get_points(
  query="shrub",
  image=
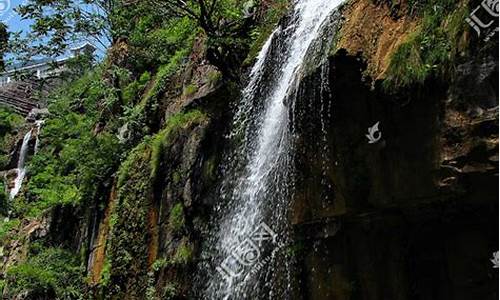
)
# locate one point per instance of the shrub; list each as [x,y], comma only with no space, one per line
[432,48]
[52,271]
[10,121]
[7,226]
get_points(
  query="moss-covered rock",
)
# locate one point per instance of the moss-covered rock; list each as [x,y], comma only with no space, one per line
[129,235]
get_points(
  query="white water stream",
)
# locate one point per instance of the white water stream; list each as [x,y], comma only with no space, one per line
[252,220]
[23,153]
[21,170]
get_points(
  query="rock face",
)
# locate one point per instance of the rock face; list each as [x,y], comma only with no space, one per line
[159,204]
[412,216]
[396,192]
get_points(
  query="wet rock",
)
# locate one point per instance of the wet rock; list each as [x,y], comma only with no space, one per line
[430,186]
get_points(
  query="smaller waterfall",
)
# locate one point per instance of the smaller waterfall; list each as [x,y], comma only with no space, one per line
[38,124]
[21,170]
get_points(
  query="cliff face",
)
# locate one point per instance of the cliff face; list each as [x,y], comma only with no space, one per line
[414,215]
[409,212]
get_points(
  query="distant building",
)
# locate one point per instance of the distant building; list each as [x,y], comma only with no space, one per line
[42,68]
[21,88]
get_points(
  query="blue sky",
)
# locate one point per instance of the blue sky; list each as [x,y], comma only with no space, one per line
[10,17]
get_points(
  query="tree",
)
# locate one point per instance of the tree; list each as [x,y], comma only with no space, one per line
[58,24]
[227,23]
[4,41]
[216,17]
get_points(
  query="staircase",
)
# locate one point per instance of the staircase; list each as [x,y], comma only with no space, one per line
[20,95]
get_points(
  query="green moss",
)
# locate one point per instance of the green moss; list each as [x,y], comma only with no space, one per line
[214,77]
[176,218]
[407,66]
[163,138]
[184,253]
[105,273]
[431,49]
[209,169]
[176,177]
[159,264]
[128,243]
[190,90]
[170,291]
[126,167]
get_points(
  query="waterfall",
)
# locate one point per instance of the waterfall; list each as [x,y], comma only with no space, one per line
[21,170]
[38,124]
[244,254]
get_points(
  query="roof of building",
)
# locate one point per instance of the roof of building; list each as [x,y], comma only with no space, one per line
[41,61]
[27,64]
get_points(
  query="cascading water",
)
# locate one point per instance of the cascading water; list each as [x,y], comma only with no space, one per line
[21,170]
[243,254]
[38,124]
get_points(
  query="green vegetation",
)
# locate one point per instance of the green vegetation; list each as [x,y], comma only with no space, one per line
[52,271]
[3,199]
[190,90]
[4,40]
[105,279]
[129,220]
[7,226]
[73,160]
[432,48]
[162,140]
[159,264]
[107,131]
[132,91]
[184,253]
[170,291]
[159,41]
[128,242]
[214,77]
[296,249]
[259,35]
[10,122]
[176,218]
